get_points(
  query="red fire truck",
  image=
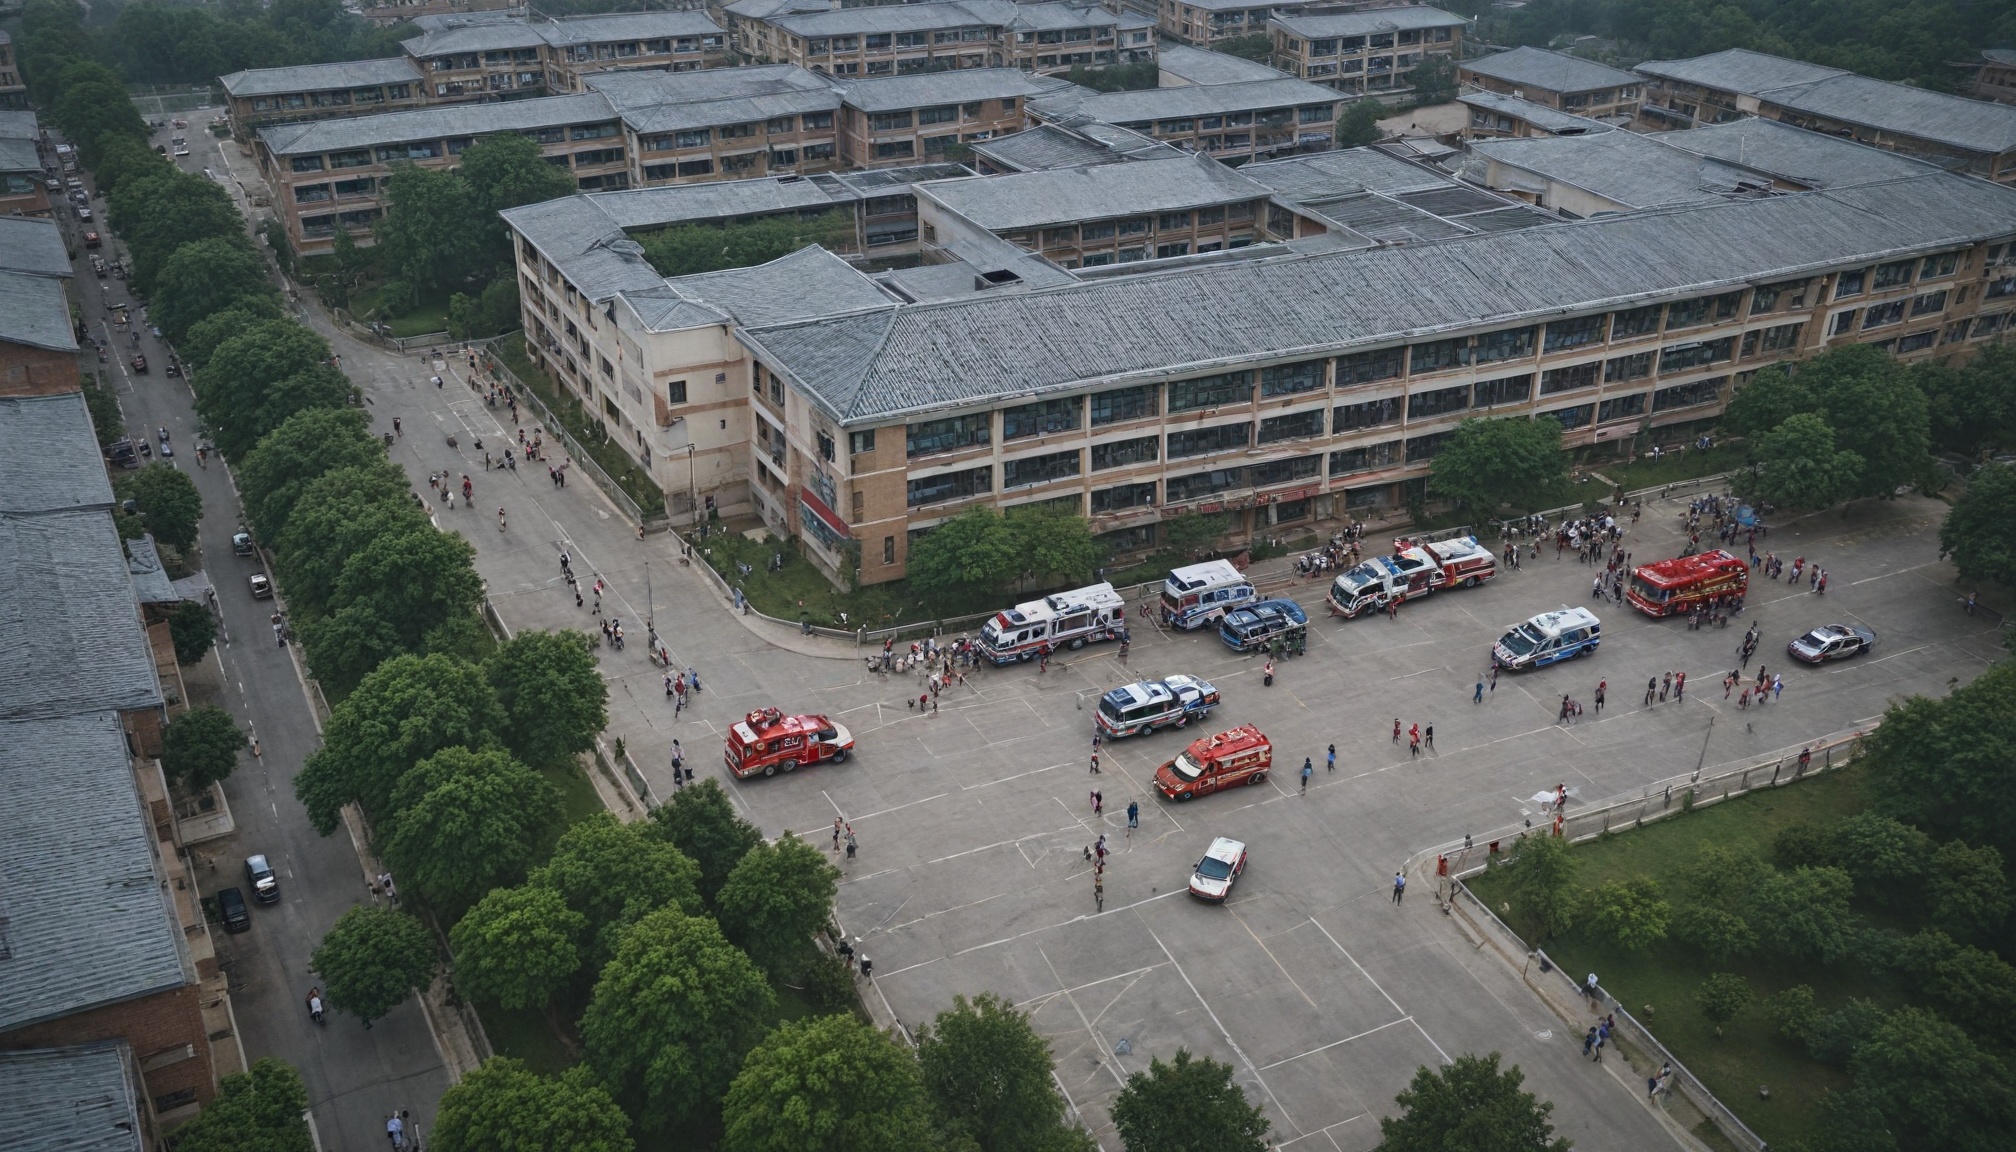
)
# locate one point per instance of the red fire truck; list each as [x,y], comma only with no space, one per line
[1239,755]
[1677,586]
[766,742]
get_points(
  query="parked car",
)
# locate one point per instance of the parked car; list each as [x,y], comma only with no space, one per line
[241,543]
[262,587]
[232,910]
[265,885]
[1832,642]
[139,363]
[1214,875]
[84,213]
[91,240]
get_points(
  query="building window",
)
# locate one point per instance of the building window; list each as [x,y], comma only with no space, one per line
[1289,379]
[1365,458]
[1203,441]
[1701,310]
[1366,367]
[860,442]
[1039,469]
[1440,401]
[1042,418]
[1636,322]
[307,163]
[1584,375]
[1989,325]
[1123,496]
[1367,414]
[1570,418]
[1490,347]
[1120,453]
[827,448]
[1294,426]
[1210,391]
[1766,297]
[894,149]
[675,392]
[1844,322]
[1679,357]
[1504,390]
[1172,221]
[358,159]
[1122,404]
[1424,448]
[1687,395]
[1620,407]
[1917,340]
[951,486]
[1286,471]
[1848,284]
[1894,274]
[1182,488]
[1928,302]
[888,121]
[1877,315]
[1944,264]
[1777,339]
[1566,334]
[888,549]
[948,435]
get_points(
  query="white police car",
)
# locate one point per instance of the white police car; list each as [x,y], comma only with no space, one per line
[1547,638]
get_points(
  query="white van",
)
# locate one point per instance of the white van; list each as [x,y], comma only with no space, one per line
[1199,595]
[1548,637]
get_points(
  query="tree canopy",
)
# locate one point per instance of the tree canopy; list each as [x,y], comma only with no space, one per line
[989,1074]
[614,874]
[552,693]
[775,899]
[373,959]
[208,276]
[263,1109]
[301,448]
[1930,1086]
[194,630]
[1489,462]
[982,550]
[465,822]
[1850,423]
[1190,1102]
[255,380]
[701,821]
[684,249]
[1470,1104]
[517,947]
[1359,125]
[831,1083]
[503,1105]
[1544,900]
[201,747]
[1943,765]
[169,504]
[1980,531]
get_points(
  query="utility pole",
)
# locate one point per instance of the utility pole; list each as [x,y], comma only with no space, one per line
[692,485]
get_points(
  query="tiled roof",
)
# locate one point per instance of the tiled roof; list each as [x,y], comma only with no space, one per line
[34,310]
[1974,125]
[18,124]
[89,920]
[1342,172]
[1738,70]
[1031,199]
[33,246]
[1365,23]
[626,26]
[1203,66]
[1038,17]
[1814,159]
[150,580]
[79,1099]
[59,468]
[487,37]
[893,363]
[1623,167]
[68,620]
[1539,115]
[808,282]
[448,120]
[661,101]
[894,93]
[319,77]
[1188,101]
[896,18]
[1549,71]
[1070,145]
[733,110]
[20,156]
[581,239]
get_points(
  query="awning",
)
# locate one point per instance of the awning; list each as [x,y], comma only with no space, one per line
[818,508]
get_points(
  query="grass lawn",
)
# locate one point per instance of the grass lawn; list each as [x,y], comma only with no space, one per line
[1749,1054]
[799,588]
[577,793]
[430,316]
[1671,468]
[524,1035]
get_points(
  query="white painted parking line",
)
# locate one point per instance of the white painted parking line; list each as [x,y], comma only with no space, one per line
[1381,991]
[1335,1043]
[1222,1031]
[1323,1132]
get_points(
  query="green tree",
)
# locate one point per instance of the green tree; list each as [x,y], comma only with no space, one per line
[345,645]
[1720,935]
[1971,984]
[94,113]
[373,959]
[1631,912]
[504,1105]
[973,552]
[207,334]
[1471,1105]
[1434,80]
[414,582]
[1943,765]
[831,1083]
[206,277]
[1794,1013]
[338,513]
[1544,898]
[1490,462]
[104,408]
[465,822]
[194,630]
[700,821]
[263,1109]
[1980,530]
[1886,857]
[258,378]
[989,1073]
[517,947]
[775,899]
[685,249]
[500,306]
[1934,1088]
[1359,125]
[552,693]
[433,229]
[158,213]
[505,171]
[1804,913]
[614,874]
[672,1017]
[1969,890]
[123,158]
[405,711]
[1053,544]
[169,504]
[1725,876]
[1721,996]
[201,747]
[1192,533]
[1972,408]
[1187,1103]
[1797,465]
[1836,1035]
[301,448]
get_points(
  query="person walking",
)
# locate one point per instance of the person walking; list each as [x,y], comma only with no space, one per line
[1428,737]
[1589,1041]
[1651,690]
[1399,887]
[852,844]
[1267,674]
[1331,759]
[1665,686]
[1307,771]
[836,833]
[1477,697]
[1679,686]
[1413,741]
[1777,687]
[1396,730]
[1601,687]
[1602,1038]
[1133,814]
[1095,762]
[1098,803]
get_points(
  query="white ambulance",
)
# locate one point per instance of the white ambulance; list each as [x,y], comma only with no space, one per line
[1199,595]
[1065,620]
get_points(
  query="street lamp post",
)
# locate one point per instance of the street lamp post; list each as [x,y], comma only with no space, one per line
[692,485]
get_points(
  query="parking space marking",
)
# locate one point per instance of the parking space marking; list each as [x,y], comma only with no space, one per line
[1299,991]
[1324,1132]
[1898,572]
[1335,1043]
[1850,667]
[1381,991]
[1208,1011]
[1098,1041]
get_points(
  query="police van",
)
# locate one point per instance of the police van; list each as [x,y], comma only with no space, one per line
[1142,707]
[1548,637]
[1065,620]
[1255,626]
[1200,594]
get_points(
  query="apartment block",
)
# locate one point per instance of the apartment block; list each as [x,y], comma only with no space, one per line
[1238,122]
[330,174]
[899,39]
[1106,214]
[260,96]
[1973,136]
[23,187]
[899,120]
[13,90]
[726,123]
[38,337]
[1369,51]
[489,55]
[1994,75]
[1557,80]
[1493,116]
[1205,22]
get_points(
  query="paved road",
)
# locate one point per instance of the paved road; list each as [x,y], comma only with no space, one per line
[355,1077]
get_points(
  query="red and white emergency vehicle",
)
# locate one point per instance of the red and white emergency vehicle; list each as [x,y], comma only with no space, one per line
[1067,620]
[1235,756]
[1412,572]
[766,742]
[1678,586]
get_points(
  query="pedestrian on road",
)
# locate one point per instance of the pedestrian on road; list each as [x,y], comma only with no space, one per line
[851,843]
[1777,687]
[1133,814]
[1331,761]
[1098,803]
[1589,989]
[1267,674]
[1477,697]
[1428,736]
[1665,686]
[1679,685]
[397,431]
[836,833]
[1589,1041]
[1414,741]
[1396,730]
[678,759]
[668,685]
[1601,687]
[1095,762]
[1399,887]
[1307,771]
[1602,1038]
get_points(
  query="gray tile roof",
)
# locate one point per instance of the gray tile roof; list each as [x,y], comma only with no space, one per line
[893,363]
[808,282]
[150,580]
[89,922]
[1040,17]
[1188,101]
[68,620]
[79,1099]
[1340,173]
[885,181]
[448,120]
[894,93]
[1737,70]
[54,453]
[588,247]
[1384,219]
[626,26]
[765,9]
[897,18]
[16,124]
[733,110]
[442,21]
[20,156]
[1203,66]
[1550,71]
[715,200]
[1323,24]
[485,37]
[652,102]
[1539,115]
[320,77]
[34,310]
[33,246]
[1974,125]
[1814,159]
[1072,145]
[1031,199]
[1624,167]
